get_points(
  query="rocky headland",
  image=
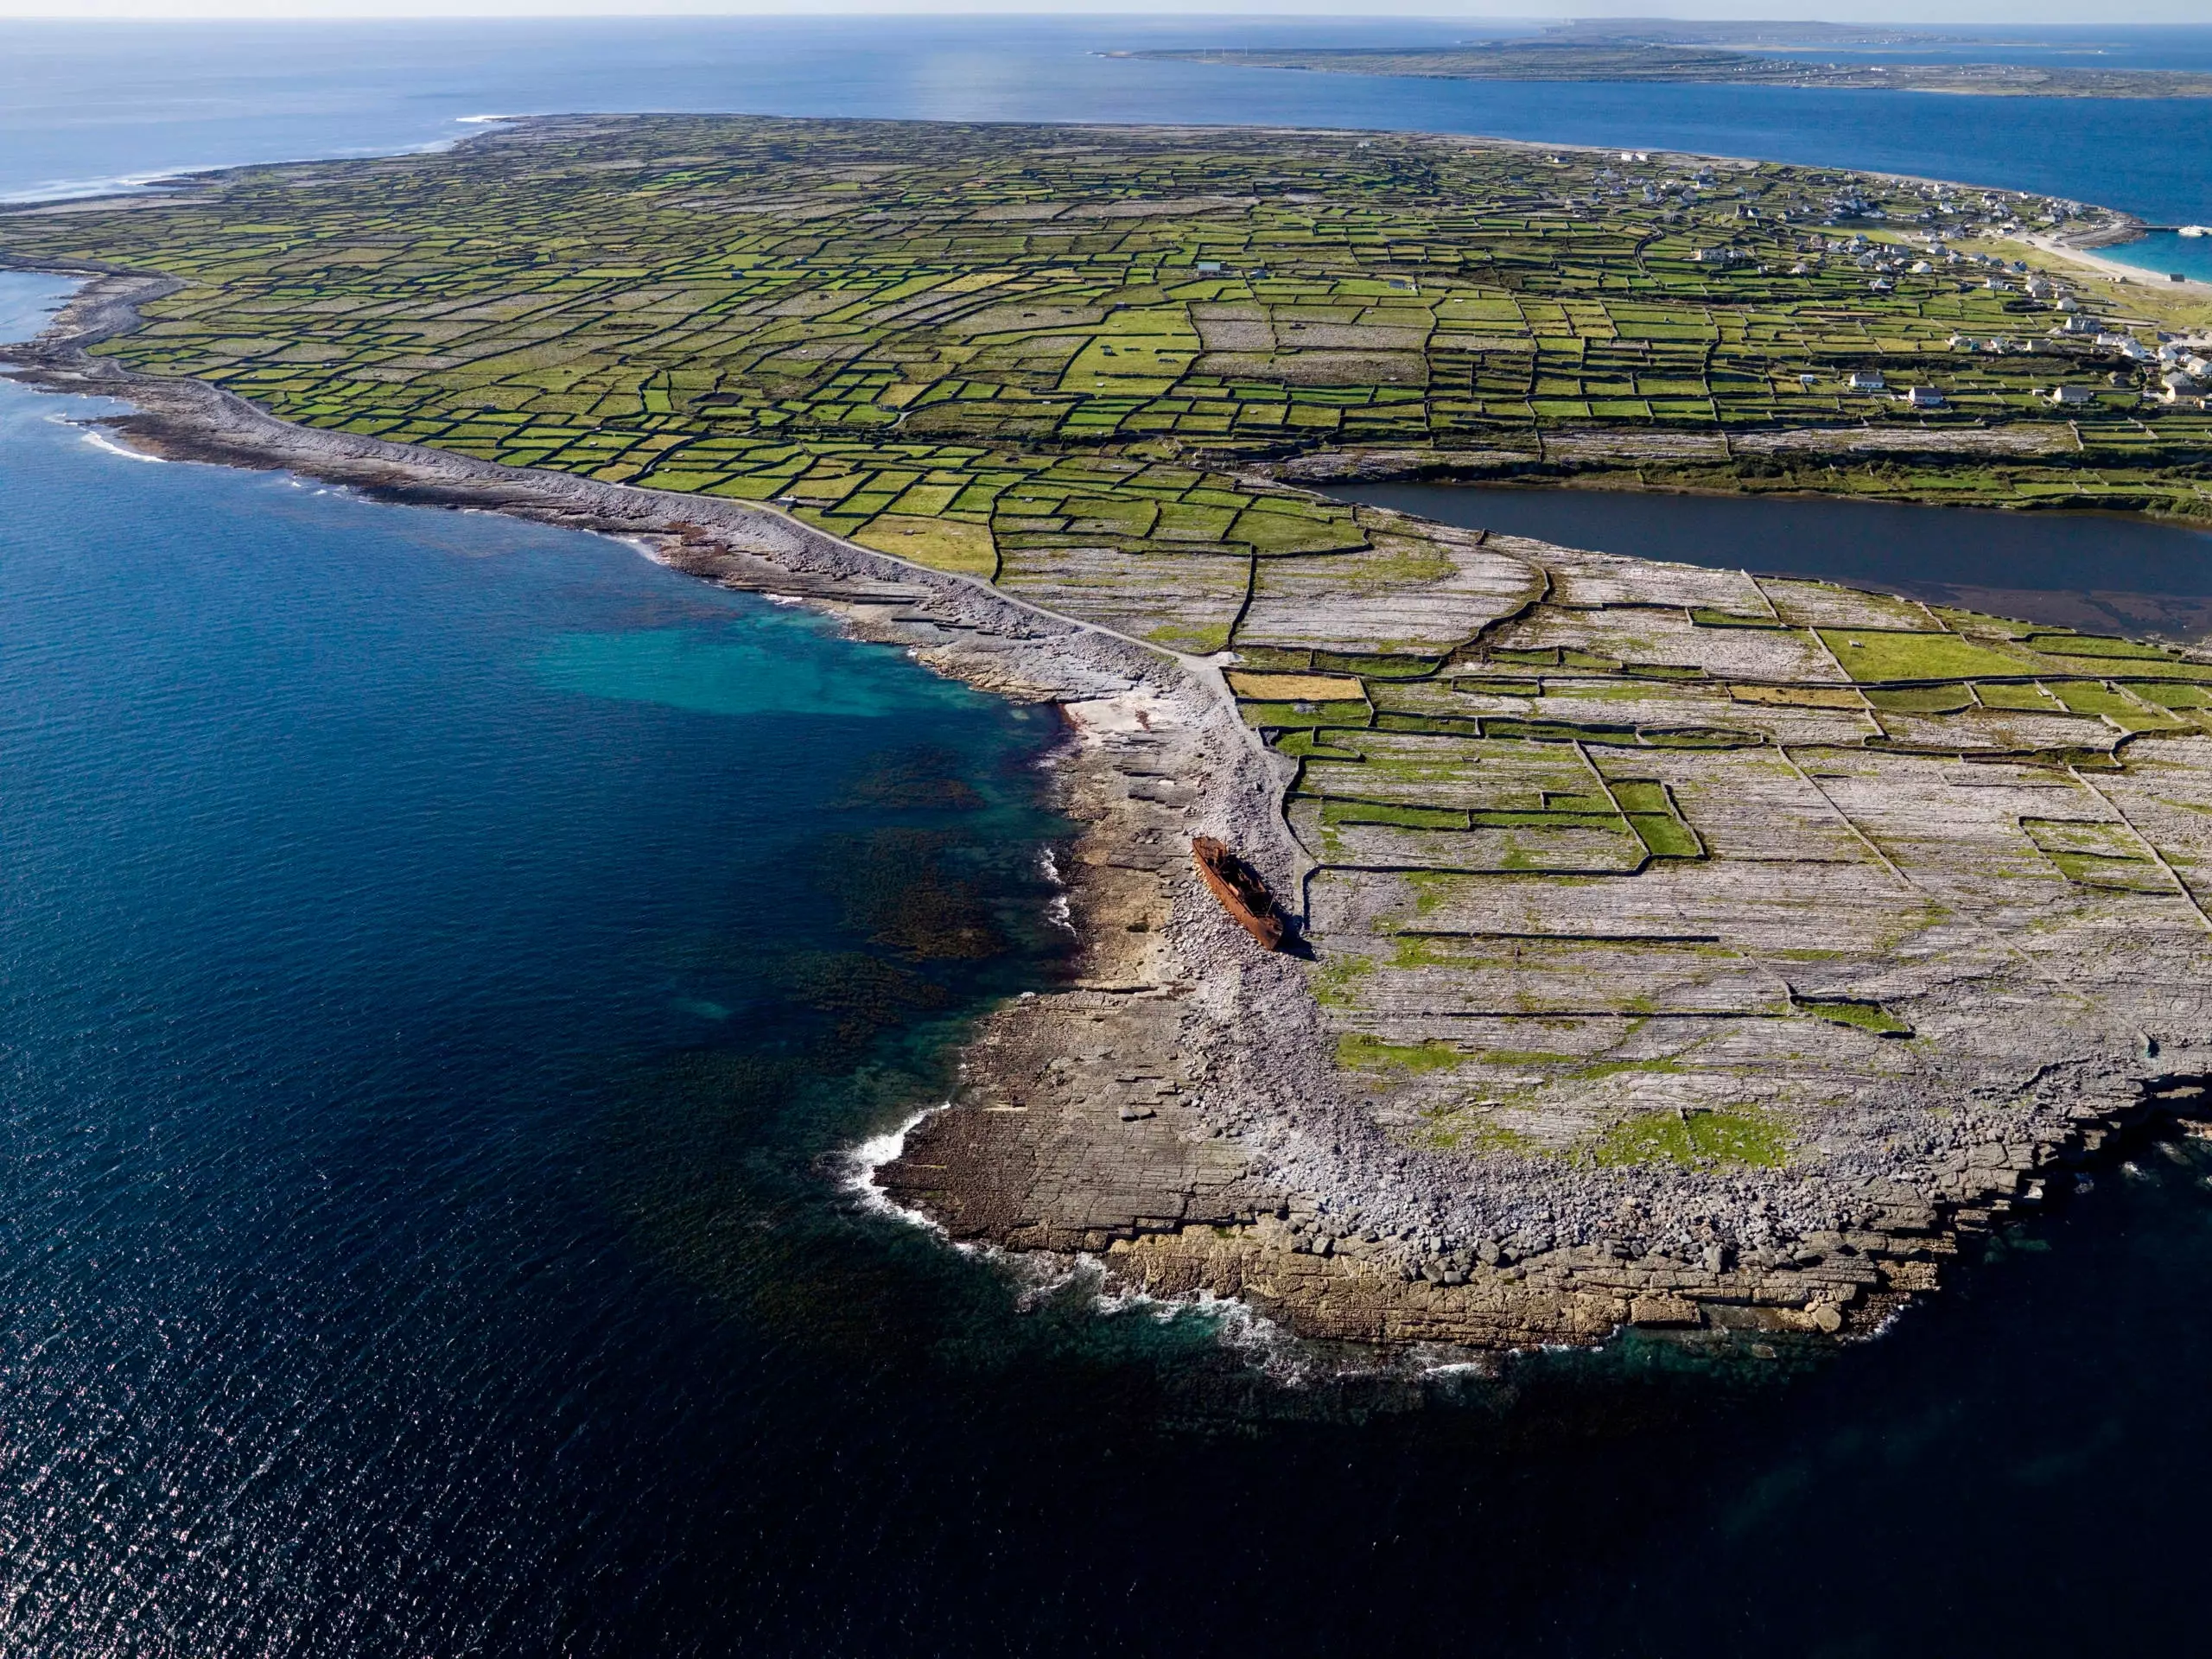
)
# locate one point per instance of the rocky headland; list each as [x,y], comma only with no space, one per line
[1664,962]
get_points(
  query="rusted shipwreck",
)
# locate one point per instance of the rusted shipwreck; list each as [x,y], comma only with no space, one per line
[1243,894]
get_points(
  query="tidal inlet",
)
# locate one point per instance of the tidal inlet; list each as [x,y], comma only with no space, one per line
[1277,777]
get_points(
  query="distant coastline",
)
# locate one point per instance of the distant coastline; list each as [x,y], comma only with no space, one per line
[1590,52]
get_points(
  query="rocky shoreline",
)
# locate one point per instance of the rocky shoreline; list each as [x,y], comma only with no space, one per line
[1175,1111]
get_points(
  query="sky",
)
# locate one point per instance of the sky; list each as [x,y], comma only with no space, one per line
[1981,13]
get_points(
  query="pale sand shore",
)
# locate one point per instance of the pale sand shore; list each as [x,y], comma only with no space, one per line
[2140,275]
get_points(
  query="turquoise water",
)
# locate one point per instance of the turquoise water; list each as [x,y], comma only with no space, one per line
[743,667]
[81,103]
[441,960]
[2165,253]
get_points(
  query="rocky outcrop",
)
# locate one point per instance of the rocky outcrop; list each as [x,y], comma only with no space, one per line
[1178,1112]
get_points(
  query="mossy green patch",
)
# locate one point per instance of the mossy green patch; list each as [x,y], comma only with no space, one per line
[2019,699]
[1385,812]
[1697,1140]
[1858,1012]
[1336,984]
[1449,1129]
[1705,617]
[1664,835]
[1870,655]
[1921,699]
[1358,1051]
[2175,696]
[942,544]
[2094,644]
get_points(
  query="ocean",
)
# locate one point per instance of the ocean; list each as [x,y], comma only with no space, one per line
[445,965]
[83,105]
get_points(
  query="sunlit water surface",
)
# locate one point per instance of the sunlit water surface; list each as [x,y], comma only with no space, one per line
[80,103]
[444,962]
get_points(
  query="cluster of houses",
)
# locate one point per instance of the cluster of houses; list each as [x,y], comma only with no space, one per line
[2187,376]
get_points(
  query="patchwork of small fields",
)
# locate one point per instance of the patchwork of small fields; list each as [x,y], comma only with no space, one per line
[1610,861]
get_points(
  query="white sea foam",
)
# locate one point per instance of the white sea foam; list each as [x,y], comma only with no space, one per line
[101,441]
[1056,909]
[872,1154]
[78,189]
[487,120]
[1236,1326]
[1269,1347]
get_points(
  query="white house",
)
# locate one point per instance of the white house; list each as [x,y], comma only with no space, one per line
[1864,380]
[1924,397]
[2071,396]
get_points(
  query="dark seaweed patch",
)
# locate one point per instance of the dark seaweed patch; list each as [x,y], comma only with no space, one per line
[902,889]
[912,780]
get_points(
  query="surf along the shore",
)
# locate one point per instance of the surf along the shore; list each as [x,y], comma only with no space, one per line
[1209,1118]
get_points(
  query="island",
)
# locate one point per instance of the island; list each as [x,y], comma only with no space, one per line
[1663,945]
[1721,54]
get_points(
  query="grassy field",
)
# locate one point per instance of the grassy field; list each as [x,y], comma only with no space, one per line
[1002,326]
[1659,839]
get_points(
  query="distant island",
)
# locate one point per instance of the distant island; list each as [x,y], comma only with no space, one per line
[1665,49]
[1662,946]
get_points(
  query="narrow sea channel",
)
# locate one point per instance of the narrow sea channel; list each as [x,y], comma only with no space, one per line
[440,961]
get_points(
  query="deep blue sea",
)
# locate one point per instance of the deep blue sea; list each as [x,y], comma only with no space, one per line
[443,962]
[83,104]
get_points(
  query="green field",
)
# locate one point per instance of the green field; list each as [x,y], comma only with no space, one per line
[1001,326]
[1555,810]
